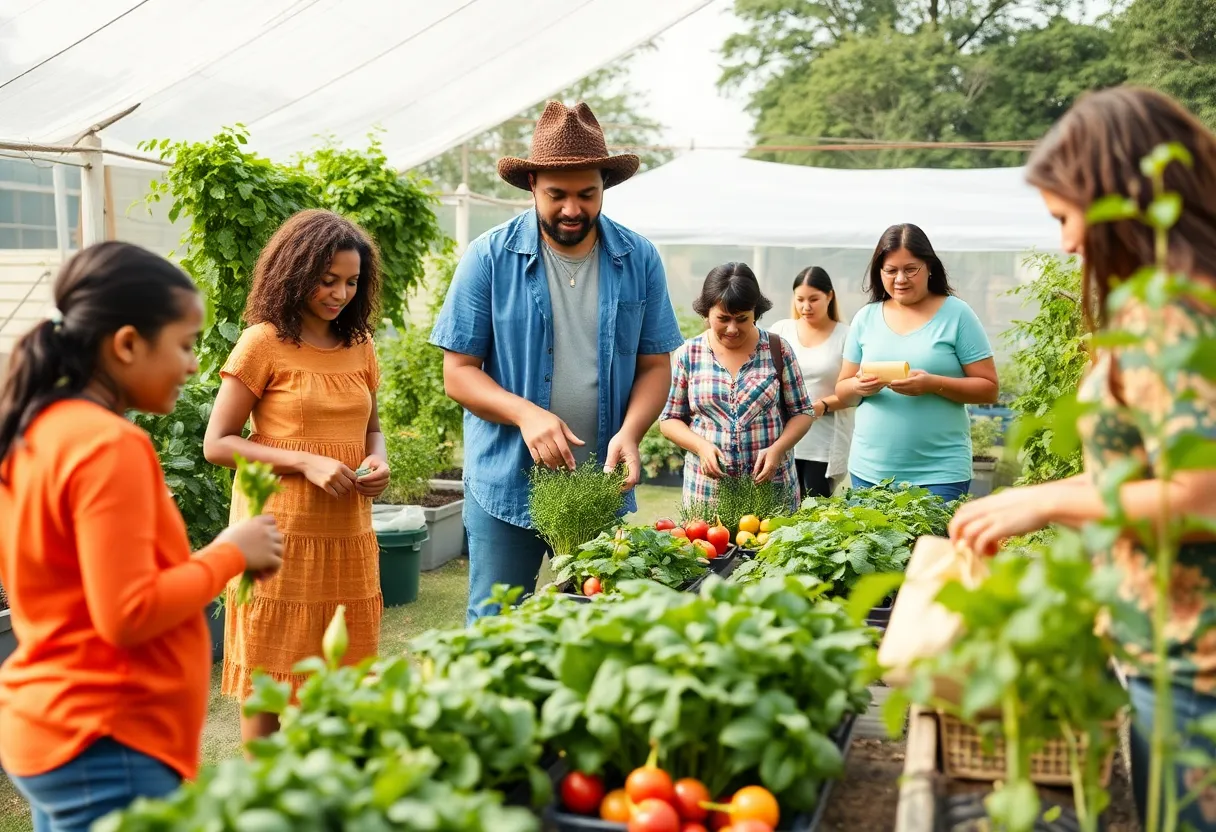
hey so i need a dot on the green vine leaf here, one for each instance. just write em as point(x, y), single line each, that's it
point(1112, 208)
point(1164, 211)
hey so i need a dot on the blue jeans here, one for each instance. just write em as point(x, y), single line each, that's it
point(104, 777)
point(1189, 707)
point(499, 553)
point(947, 491)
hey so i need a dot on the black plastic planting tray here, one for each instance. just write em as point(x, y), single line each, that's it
point(555, 819)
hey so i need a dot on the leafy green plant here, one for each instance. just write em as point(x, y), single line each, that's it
point(1030, 651)
point(735, 685)
point(914, 509)
point(382, 707)
point(571, 507)
point(690, 325)
point(985, 431)
point(737, 497)
point(641, 552)
point(320, 791)
point(416, 453)
point(1051, 353)
point(838, 547)
point(659, 454)
point(256, 482)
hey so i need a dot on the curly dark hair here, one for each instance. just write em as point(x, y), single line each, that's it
point(293, 263)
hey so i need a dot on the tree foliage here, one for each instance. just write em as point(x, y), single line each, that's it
point(617, 106)
point(1171, 45)
point(914, 71)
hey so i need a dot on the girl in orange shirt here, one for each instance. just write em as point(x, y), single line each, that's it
point(105, 696)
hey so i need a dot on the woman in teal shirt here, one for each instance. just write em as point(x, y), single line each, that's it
point(914, 429)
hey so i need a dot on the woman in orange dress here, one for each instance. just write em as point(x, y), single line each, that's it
point(305, 371)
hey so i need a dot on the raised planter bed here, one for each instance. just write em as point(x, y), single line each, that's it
point(443, 508)
point(801, 822)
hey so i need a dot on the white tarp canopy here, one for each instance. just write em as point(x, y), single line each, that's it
point(431, 73)
point(716, 198)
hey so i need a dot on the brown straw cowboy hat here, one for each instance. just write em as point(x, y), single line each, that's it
point(568, 139)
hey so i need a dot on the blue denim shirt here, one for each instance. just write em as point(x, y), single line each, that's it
point(498, 309)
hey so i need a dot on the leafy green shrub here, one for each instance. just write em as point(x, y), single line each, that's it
point(415, 453)
point(1051, 355)
point(984, 433)
point(659, 454)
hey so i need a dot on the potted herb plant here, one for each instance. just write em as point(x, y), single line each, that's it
point(989, 470)
point(572, 507)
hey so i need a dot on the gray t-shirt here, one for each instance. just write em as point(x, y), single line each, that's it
point(576, 325)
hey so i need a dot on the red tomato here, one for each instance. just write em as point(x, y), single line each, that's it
point(690, 794)
point(582, 793)
point(719, 820)
point(719, 535)
point(652, 815)
point(664, 524)
point(678, 532)
point(706, 548)
point(696, 529)
point(616, 807)
point(592, 586)
point(692, 826)
point(649, 782)
point(750, 826)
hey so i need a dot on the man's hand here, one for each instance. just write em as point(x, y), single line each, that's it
point(549, 438)
point(624, 448)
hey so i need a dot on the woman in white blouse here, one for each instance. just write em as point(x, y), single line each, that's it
point(817, 335)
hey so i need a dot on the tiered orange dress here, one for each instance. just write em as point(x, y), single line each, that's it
point(317, 401)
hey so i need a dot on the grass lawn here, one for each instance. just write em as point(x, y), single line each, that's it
point(442, 596)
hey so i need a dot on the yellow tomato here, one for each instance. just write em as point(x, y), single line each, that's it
point(745, 540)
point(766, 525)
point(762, 538)
point(749, 523)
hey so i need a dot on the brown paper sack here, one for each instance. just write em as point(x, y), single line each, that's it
point(887, 371)
point(919, 626)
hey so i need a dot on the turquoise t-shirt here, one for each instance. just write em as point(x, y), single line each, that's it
point(924, 440)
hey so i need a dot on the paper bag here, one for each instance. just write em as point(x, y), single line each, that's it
point(920, 627)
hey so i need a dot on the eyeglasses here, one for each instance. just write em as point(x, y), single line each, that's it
point(910, 272)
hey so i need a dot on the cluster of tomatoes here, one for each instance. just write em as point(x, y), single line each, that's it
point(651, 802)
point(715, 540)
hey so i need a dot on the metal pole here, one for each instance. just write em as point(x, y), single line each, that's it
point(60, 179)
point(92, 191)
point(463, 207)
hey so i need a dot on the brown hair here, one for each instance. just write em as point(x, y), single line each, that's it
point(1095, 149)
point(293, 263)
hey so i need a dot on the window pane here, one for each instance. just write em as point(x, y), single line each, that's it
point(8, 206)
point(36, 209)
point(9, 238)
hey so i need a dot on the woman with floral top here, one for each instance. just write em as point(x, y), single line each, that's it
point(1093, 152)
point(735, 407)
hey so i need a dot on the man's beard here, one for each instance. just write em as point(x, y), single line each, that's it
point(565, 236)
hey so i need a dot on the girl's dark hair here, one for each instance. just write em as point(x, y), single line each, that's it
point(817, 278)
point(98, 291)
point(292, 264)
point(908, 236)
point(734, 286)
point(1095, 149)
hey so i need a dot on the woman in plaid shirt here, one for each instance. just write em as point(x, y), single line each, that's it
point(729, 391)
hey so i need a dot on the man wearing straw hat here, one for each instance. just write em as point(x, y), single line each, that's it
point(557, 333)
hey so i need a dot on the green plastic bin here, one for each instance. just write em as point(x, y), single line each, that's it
point(400, 565)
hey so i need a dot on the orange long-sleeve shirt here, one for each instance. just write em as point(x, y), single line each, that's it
point(107, 600)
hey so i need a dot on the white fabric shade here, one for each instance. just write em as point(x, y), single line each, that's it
point(719, 198)
point(430, 73)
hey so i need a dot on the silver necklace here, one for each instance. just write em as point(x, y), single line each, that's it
point(571, 274)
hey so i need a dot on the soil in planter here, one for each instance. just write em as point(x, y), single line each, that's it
point(868, 794)
point(435, 499)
